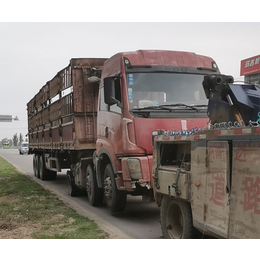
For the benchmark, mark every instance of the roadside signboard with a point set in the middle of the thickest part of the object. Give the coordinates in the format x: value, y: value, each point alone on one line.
x: 250, y: 66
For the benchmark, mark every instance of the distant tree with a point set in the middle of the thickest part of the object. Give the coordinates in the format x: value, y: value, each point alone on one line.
x: 15, y: 140
x: 5, y: 140
x: 10, y: 142
x: 20, y: 139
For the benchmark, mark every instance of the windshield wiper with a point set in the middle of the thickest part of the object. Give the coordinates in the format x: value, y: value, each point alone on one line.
x: 180, y: 105
x: 166, y: 107
x: 199, y: 105
x: 150, y: 107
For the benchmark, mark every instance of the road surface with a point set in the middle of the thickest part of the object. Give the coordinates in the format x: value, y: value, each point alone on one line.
x: 140, y: 220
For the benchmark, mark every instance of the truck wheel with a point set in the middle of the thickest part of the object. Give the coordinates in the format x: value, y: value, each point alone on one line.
x: 95, y: 194
x: 52, y: 175
x: 43, y: 172
x: 176, y: 219
x: 72, y: 190
x: 115, y: 199
x: 35, y: 165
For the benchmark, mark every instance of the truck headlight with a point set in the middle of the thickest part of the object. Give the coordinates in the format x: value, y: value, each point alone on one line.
x: 154, y: 133
x: 134, y: 167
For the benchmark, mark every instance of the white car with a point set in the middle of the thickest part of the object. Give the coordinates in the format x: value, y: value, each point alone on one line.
x: 23, y: 148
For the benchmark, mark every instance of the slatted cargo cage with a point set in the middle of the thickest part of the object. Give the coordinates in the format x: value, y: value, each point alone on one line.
x: 63, y: 114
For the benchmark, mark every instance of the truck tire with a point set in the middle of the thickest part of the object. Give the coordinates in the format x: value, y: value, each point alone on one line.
x: 95, y: 194
x: 72, y: 190
x: 35, y: 165
x: 43, y: 172
x: 176, y: 219
x: 115, y: 199
x: 52, y: 175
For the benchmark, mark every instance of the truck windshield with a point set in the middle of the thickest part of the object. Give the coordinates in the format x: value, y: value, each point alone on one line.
x: 155, y: 89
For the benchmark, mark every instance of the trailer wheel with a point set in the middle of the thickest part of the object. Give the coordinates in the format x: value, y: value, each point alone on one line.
x: 43, y: 172
x: 176, y: 219
x: 115, y: 199
x: 35, y: 165
x: 72, y: 190
x: 95, y: 194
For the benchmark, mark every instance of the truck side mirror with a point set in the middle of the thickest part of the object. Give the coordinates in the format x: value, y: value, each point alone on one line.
x: 110, y: 92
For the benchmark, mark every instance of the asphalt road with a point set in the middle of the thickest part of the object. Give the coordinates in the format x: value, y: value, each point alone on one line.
x: 140, y: 220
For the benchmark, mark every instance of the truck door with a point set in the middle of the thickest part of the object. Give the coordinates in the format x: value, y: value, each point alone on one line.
x: 245, y: 196
x: 216, y: 208
x: 109, y: 123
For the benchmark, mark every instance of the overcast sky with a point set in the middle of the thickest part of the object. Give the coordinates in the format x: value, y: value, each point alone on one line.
x: 32, y: 53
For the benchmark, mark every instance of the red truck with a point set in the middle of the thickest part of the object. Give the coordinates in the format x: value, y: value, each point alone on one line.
x: 96, y: 116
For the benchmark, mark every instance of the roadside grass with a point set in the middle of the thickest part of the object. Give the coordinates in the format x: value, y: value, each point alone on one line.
x: 27, y: 210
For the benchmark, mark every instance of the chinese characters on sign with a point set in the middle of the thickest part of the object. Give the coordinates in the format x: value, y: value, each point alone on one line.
x: 252, y: 194
x: 249, y: 157
x: 217, y: 154
x: 217, y: 189
x: 250, y: 63
x: 240, y: 156
x: 250, y: 66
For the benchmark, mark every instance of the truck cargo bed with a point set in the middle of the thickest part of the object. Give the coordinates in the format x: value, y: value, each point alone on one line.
x: 63, y: 115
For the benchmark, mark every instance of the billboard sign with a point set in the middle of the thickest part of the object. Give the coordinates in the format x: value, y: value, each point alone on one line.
x: 250, y: 66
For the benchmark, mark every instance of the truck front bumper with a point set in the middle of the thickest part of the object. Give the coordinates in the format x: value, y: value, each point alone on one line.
x: 137, y: 170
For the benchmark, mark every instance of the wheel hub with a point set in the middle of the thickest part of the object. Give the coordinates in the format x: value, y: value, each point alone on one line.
x: 108, y: 188
x: 88, y: 185
x: 175, y: 222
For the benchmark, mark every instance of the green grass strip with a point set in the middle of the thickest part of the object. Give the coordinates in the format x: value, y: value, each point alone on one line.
x: 27, y: 210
